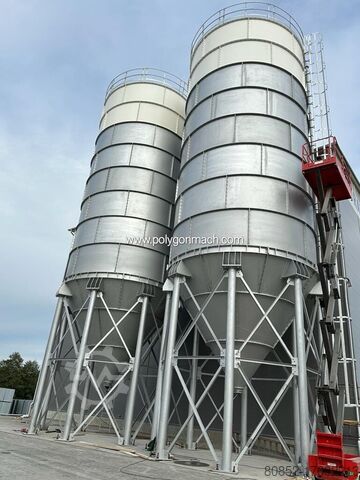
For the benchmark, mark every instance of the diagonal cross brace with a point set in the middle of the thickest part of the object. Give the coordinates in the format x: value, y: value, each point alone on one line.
x: 265, y: 315
x: 201, y: 314
x: 266, y: 417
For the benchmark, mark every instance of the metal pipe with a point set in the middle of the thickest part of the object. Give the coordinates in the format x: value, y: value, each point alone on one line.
x: 129, y: 414
x: 159, y: 380
x: 244, y: 416
x: 166, y: 390
x: 45, y: 407
x: 302, y: 373
x: 44, y: 367
x: 194, y: 362
x: 297, y: 437
x: 79, y: 367
x: 226, y: 465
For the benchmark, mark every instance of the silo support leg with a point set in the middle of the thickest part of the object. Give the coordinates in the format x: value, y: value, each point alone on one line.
x: 129, y: 414
x: 79, y: 367
x: 44, y: 367
x: 194, y: 365
x: 302, y: 373
x: 244, y: 416
x: 45, y: 404
x: 226, y: 465
x: 51, y: 384
x: 297, y: 437
x: 166, y: 388
x: 159, y: 380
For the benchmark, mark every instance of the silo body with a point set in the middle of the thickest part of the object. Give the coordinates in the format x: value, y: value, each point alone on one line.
x: 129, y: 195
x: 241, y: 174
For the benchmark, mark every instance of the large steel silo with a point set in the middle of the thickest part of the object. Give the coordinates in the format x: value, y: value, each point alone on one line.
x: 241, y: 179
x: 129, y: 196
x: 240, y: 173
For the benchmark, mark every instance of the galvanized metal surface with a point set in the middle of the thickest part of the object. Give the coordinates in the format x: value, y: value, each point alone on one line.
x: 241, y: 172
x: 129, y: 195
x: 131, y: 186
x: 112, y: 270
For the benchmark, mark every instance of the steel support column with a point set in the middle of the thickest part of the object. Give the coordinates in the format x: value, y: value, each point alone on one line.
x: 244, y: 416
x: 194, y: 365
x: 302, y: 373
x: 44, y: 367
x: 297, y: 436
x: 78, y: 367
x: 159, y: 380
x: 51, y: 382
x: 130, y: 406
x: 226, y: 464
x: 166, y: 390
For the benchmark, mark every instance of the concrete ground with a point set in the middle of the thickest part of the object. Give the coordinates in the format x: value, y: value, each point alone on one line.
x: 96, y: 456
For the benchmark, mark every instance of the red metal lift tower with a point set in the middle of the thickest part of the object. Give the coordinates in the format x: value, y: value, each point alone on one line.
x: 325, y: 169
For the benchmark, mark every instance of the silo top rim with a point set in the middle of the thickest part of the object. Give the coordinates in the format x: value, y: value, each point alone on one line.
x: 148, y: 75
x: 264, y: 10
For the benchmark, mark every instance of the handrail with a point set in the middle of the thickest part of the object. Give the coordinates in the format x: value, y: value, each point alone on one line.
x: 323, y: 149
x: 246, y: 10
x: 148, y: 75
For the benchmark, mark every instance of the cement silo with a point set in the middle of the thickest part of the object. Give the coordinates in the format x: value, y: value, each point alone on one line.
x: 113, y: 274
x: 243, y: 208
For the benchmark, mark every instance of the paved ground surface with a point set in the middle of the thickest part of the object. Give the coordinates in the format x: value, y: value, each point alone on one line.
x: 92, y: 457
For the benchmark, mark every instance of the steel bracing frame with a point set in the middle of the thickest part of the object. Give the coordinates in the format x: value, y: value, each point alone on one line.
x: 227, y: 360
x: 65, y: 327
x: 338, y: 387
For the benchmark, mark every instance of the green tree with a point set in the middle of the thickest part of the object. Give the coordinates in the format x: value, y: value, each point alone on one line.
x: 14, y: 373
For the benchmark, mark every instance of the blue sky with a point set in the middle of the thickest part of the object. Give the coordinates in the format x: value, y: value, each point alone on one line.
x: 56, y: 59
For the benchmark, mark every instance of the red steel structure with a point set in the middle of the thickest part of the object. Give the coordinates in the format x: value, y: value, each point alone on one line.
x: 325, y: 169
x: 324, y: 166
x: 330, y: 462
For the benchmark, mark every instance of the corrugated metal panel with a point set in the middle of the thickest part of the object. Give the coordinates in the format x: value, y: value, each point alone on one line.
x: 241, y: 172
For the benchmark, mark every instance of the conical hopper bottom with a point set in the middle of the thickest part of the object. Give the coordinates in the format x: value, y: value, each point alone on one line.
x: 264, y: 275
